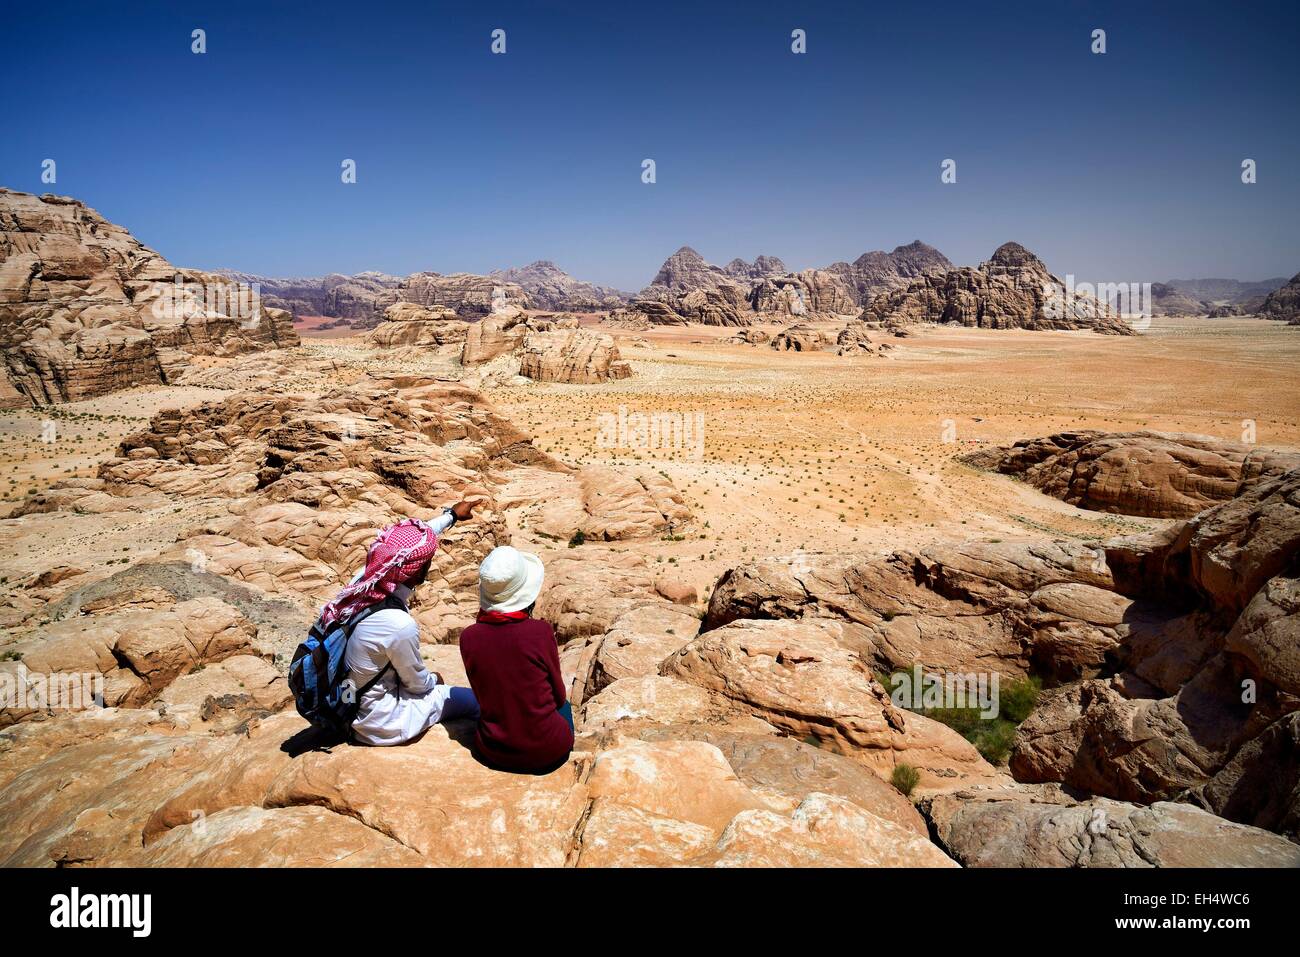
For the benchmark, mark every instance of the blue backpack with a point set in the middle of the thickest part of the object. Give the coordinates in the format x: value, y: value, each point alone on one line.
x: 318, y: 674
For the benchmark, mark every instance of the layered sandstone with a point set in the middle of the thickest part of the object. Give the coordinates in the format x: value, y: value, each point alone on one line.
x: 1013, y: 290
x: 85, y: 309
x: 1156, y: 474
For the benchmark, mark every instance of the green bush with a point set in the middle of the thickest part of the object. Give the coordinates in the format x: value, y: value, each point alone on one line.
x: 992, y: 737
x: 905, y: 778
x: 1018, y: 698
x: 578, y: 539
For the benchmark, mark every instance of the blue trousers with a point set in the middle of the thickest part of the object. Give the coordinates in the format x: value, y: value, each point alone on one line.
x: 460, y: 703
x: 566, y: 712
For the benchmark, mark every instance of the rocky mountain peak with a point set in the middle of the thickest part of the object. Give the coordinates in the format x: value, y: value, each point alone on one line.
x: 1014, y: 254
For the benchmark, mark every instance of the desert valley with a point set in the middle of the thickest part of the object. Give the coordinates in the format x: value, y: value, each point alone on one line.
x: 760, y: 496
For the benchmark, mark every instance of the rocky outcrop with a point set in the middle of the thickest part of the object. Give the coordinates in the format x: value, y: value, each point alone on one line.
x: 1167, y: 300
x: 1205, y: 711
x: 853, y: 340
x: 1028, y: 826
x: 547, y: 348
x: 762, y: 267
x: 875, y: 273
x: 1170, y: 660
x: 687, y: 288
x: 550, y: 287
x: 1013, y: 290
x: 1215, y: 298
x: 811, y: 292
x: 406, y: 324
x: 807, y: 679
x: 468, y: 295
x: 1283, y: 304
x: 571, y: 355
x: 1157, y: 474
x: 800, y: 338
x: 85, y: 309
x: 359, y: 299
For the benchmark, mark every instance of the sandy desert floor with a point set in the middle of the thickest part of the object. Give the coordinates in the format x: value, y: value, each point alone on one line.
x: 797, y: 451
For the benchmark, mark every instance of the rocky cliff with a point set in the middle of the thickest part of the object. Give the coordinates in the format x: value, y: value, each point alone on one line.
x: 86, y: 309
x: 1284, y: 303
x: 1013, y: 290
x: 550, y: 287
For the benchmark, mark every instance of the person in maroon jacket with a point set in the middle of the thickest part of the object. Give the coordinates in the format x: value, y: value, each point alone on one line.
x: 525, y: 719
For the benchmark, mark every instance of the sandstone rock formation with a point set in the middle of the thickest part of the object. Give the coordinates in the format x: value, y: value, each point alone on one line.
x: 1157, y: 474
x: 468, y: 295
x: 1013, y: 290
x: 1028, y: 826
x: 762, y: 267
x: 547, y: 348
x: 853, y: 340
x: 1172, y: 656
x: 550, y: 287
x: 811, y: 292
x: 1211, y: 296
x: 1284, y: 303
x: 571, y: 355
x: 800, y: 338
x: 406, y: 324
x: 875, y: 273
x: 85, y: 309
x: 359, y: 299
x: 1201, y: 713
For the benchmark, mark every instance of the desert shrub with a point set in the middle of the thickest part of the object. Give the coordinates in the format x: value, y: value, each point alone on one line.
x: 992, y: 737
x: 905, y: 778
x: 1018, y: 698
x: 579, y: 538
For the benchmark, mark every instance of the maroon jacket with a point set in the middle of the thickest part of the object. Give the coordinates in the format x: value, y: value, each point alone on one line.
x: 514, y: 669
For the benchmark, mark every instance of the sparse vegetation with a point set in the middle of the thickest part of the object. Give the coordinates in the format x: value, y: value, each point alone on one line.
x: 905, y: 778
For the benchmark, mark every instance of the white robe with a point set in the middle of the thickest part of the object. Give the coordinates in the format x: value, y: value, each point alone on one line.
x: 405, y: 701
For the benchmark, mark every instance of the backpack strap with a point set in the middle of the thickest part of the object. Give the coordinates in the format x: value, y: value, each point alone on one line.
x: 392, y: 601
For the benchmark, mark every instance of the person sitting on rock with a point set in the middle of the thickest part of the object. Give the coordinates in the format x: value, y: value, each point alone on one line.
x: 525, y: 719
x: 405, y: 699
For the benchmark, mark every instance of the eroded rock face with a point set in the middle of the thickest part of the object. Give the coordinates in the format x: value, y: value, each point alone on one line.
x: 1196, y: 715
x: 1008, y: 608
x: 550, y: 287
x: 875, y: 273
x: 468, y: 295
x: 359, y: 299
x: 1013, y: 290
x: 1283, y: 304
x: 1042, y: 827
x: 808, y: 679
x: 406, y: 324
x: 800, y: 338
x: 1157, y: 474
x: 616, y: 504
x: 811, y: 292
x: 571, y: 355
x: 86, y: 310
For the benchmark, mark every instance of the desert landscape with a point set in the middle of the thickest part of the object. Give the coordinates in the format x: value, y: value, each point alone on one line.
x: 760, y: 497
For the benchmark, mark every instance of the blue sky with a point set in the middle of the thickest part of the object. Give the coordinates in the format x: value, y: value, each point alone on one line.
x: 1118, y: 167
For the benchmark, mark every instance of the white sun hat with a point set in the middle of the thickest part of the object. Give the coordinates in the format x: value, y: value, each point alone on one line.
x: 509, y: 580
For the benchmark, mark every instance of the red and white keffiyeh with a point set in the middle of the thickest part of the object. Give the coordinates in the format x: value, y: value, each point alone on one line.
x: 394, y: 558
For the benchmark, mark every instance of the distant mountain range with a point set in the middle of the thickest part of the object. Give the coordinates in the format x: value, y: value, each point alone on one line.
x: 691, y: 287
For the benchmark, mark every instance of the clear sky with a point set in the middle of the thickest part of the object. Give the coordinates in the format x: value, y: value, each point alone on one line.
x: 1117, y: 167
